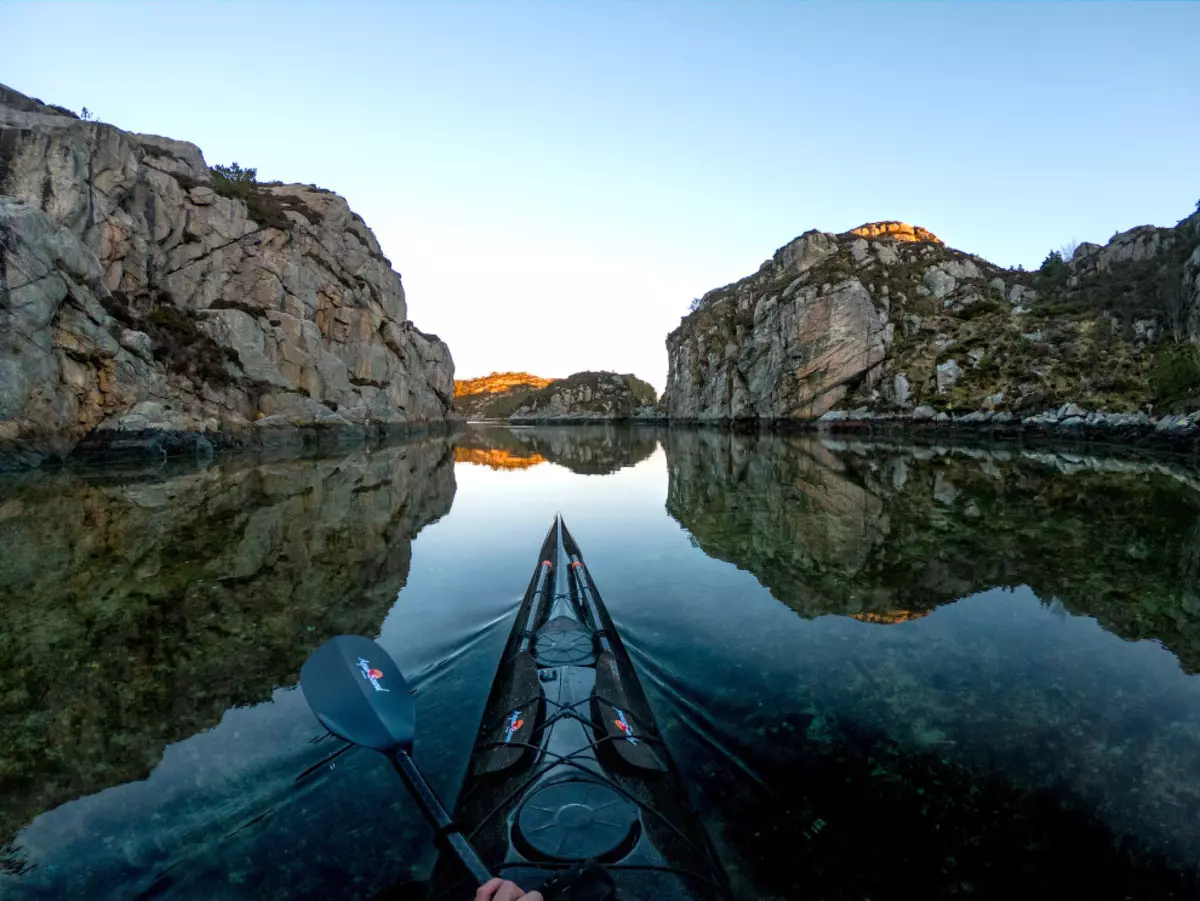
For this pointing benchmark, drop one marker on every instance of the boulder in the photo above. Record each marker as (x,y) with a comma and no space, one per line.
(1068,411)
(939,282)
(947,374)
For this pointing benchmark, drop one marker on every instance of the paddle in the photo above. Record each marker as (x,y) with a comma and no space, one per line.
(357,692)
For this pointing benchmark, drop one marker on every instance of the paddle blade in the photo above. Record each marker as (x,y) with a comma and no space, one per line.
(357,692)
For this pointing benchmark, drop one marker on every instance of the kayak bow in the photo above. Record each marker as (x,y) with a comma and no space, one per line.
(569,765)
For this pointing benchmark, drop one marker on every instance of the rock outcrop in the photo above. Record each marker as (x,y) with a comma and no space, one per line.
(499,382)
(495,396)
(901,231)
(588,396)
(143,293)
(886,318)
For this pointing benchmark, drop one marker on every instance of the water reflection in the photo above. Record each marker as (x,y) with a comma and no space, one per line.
(888,533)
(137,612)
(1010,739)
(586,449)
(986,692)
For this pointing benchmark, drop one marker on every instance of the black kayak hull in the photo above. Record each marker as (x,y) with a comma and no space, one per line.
(569,765)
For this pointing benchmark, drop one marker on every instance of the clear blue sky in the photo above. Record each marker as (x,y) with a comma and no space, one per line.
(557,181)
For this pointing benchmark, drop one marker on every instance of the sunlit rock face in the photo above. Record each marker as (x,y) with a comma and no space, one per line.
(137,612)
(495,396)
(901,231)
(887,534)
(136,293)
(499,382)
(872,320)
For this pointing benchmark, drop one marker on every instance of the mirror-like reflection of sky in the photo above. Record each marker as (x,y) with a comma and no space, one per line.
(884,670)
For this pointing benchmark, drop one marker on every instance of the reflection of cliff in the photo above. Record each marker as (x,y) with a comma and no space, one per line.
(588,450)
(496,458)
(888,533)
(135,615)
(888,617)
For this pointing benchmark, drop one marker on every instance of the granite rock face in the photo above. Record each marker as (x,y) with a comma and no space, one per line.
(787,343)
(130,275)
(887,318)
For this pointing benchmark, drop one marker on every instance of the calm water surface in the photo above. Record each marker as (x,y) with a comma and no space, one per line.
(886,671)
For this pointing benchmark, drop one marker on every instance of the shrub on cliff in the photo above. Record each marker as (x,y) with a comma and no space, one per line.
(238,183)
(1053,272)
(179,342)
(1175,375)
(235,174)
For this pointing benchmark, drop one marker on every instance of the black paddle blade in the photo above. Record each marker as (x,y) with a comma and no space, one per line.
(358,694)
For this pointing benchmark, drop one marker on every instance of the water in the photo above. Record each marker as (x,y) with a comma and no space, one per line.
(886,671)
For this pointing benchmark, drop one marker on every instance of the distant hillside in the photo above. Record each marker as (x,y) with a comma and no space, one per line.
(589,396)
(582,395)
(495,396)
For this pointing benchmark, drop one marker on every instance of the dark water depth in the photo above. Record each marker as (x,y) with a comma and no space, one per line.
(886,671)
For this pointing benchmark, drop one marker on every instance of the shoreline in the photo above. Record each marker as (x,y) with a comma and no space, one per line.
(1066,426)
(149,447)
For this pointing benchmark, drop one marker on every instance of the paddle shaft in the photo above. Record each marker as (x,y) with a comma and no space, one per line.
(436,814)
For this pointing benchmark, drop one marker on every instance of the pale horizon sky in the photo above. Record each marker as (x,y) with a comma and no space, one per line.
(556,181)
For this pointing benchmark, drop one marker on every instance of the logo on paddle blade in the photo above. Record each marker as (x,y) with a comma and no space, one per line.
(371,674)
(624,726)
(514,726)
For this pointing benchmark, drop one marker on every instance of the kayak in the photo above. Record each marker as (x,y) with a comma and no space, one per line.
(569,766)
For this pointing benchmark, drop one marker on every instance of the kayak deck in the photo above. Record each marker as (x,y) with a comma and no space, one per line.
(569,765)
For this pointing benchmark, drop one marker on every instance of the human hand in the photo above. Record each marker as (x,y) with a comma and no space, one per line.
(502,890)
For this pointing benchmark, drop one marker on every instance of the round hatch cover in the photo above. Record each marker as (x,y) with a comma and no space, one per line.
(576,820)
(564,642)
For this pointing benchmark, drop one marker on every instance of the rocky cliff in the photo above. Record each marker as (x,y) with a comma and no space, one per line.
(887,318)
(142,293)
(588,396)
